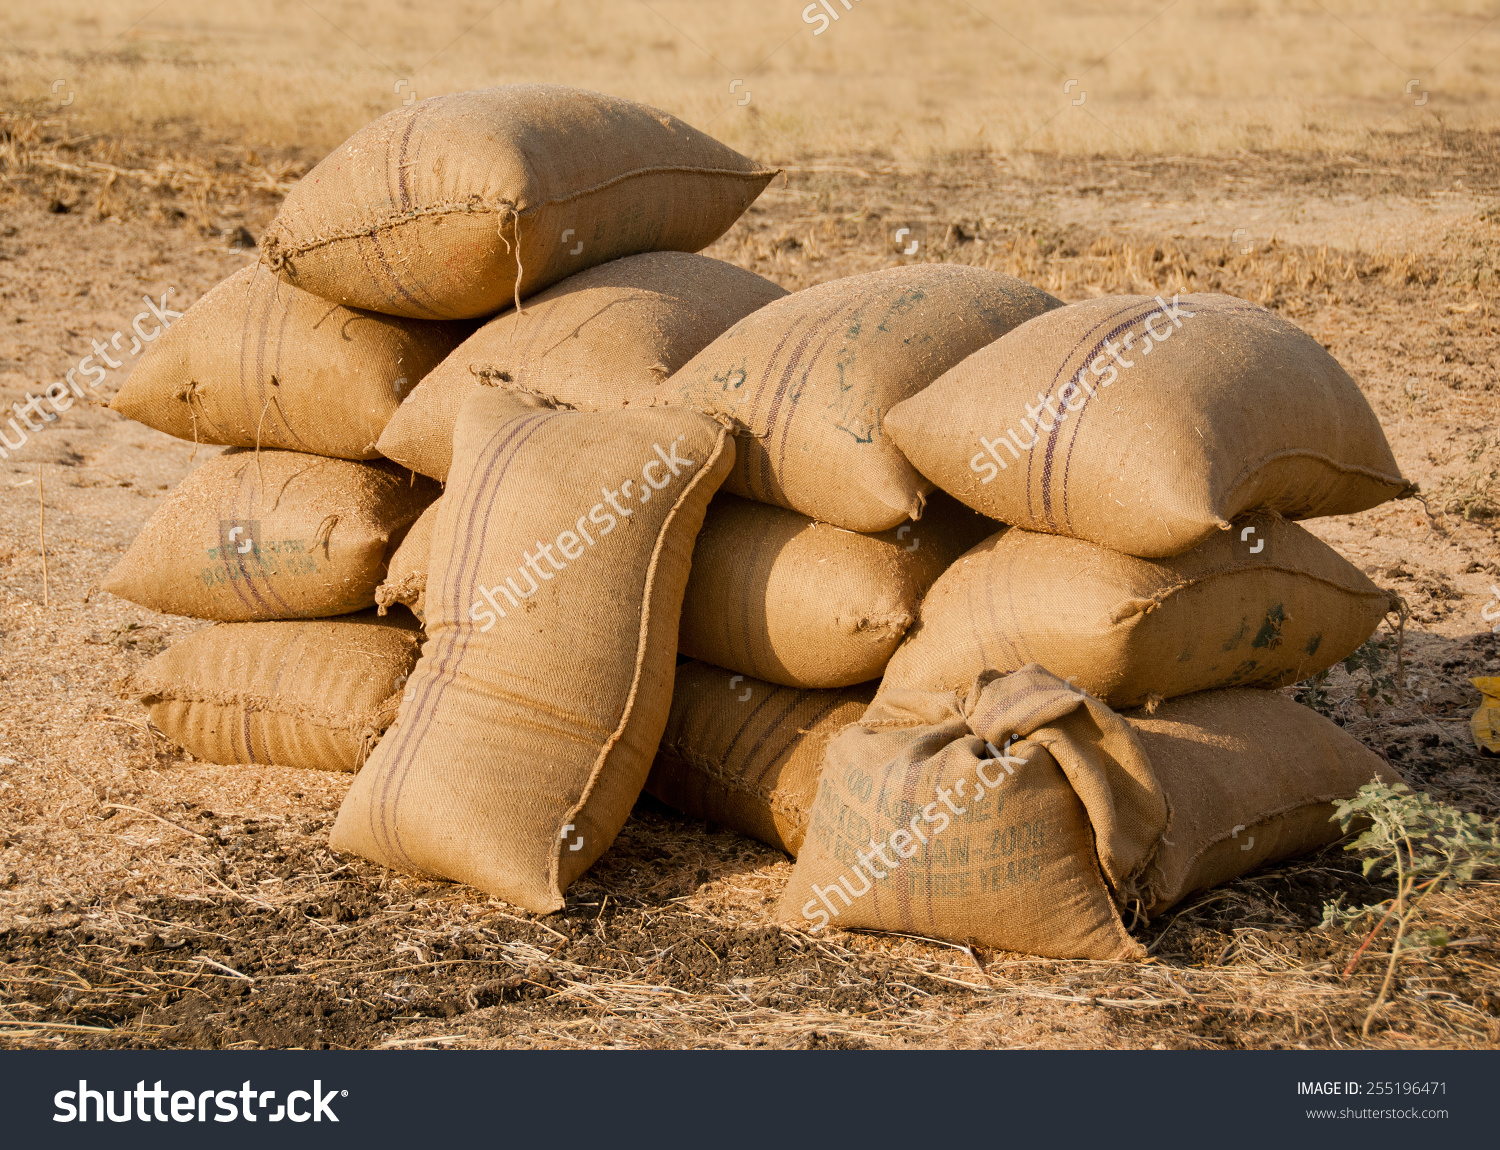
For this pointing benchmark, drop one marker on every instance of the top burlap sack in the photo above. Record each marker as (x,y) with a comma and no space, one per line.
(1147,426)
(812,376)
(259,363)
(598,340)
(557,569)
(455,206)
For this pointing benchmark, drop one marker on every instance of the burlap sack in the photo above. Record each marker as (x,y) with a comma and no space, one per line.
(812,376)
(1271,609)
(529,724)
(257,362)
(314,694)
(1059,829)
(271,535)
(1147,425)
(784,598)
(1253,778)
(596,341)
(457,205)
(406,574)
(920,827)
(746,753)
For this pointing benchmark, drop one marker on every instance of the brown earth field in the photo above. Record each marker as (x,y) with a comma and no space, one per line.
(150,900)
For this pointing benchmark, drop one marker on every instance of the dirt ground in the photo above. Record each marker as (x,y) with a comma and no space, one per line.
(148,900)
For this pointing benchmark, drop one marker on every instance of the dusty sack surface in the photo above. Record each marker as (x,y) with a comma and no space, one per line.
(271,535)
(918,827)
(1265,611)
(745,753)
(1147,427)
(406,574)
(812,376)
(530,722)
(258,362)
(778,596)
(456,205)
(1252,777)
(600,339)
(314,693)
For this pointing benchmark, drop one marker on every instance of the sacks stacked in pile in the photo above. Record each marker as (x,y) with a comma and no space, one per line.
(744,549)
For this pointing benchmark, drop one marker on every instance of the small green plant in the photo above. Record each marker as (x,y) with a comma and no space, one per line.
(1425,846)
(1377,677)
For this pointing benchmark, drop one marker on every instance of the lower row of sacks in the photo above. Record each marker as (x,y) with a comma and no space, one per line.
(1016,810)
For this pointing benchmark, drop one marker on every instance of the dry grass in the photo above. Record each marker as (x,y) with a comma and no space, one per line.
(893,80)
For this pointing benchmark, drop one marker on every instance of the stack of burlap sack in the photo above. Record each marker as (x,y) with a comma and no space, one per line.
(794,611)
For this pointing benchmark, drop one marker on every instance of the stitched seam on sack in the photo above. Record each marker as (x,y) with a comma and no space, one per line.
(498,207)
(256,705)
(1262,821)
(1248,472)
(1120,612)
(715,773)
(600,763)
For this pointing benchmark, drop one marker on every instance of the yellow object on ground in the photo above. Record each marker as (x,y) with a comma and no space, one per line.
(1486,720)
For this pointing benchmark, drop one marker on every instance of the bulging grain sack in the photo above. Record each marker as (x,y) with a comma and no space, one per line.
(1263,605)
(1253,777)
(746,753)
(598,340)
(406,574)
(813,375)
(271,535)
(779,596)
(558,564)
(928,821)
(257,362)
(1148,425)
(311,693)
(457,205)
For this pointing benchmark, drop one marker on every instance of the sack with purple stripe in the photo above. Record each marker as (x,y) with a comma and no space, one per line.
(556,574)
(1148,425)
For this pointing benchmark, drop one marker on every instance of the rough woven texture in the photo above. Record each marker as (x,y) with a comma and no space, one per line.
(1149,447)
(601,339)
(918,828)
(257,362)
(812,376)
(746,753)
(314,694)
(271,535)
(454,206)
(1221,615)
(1252,778)
(530,723)
(784,598)
(406,574)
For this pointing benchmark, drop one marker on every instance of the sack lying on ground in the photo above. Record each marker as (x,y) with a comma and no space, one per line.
(598,340)
(1264,611)
(406,574)
(1147,426)
(781,597)
(746,753)
(257,362)
(1253,777)
(927,821)
(558,563)
(919,827)
(271,535)
(312,693)
(812,376)
(457,205)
